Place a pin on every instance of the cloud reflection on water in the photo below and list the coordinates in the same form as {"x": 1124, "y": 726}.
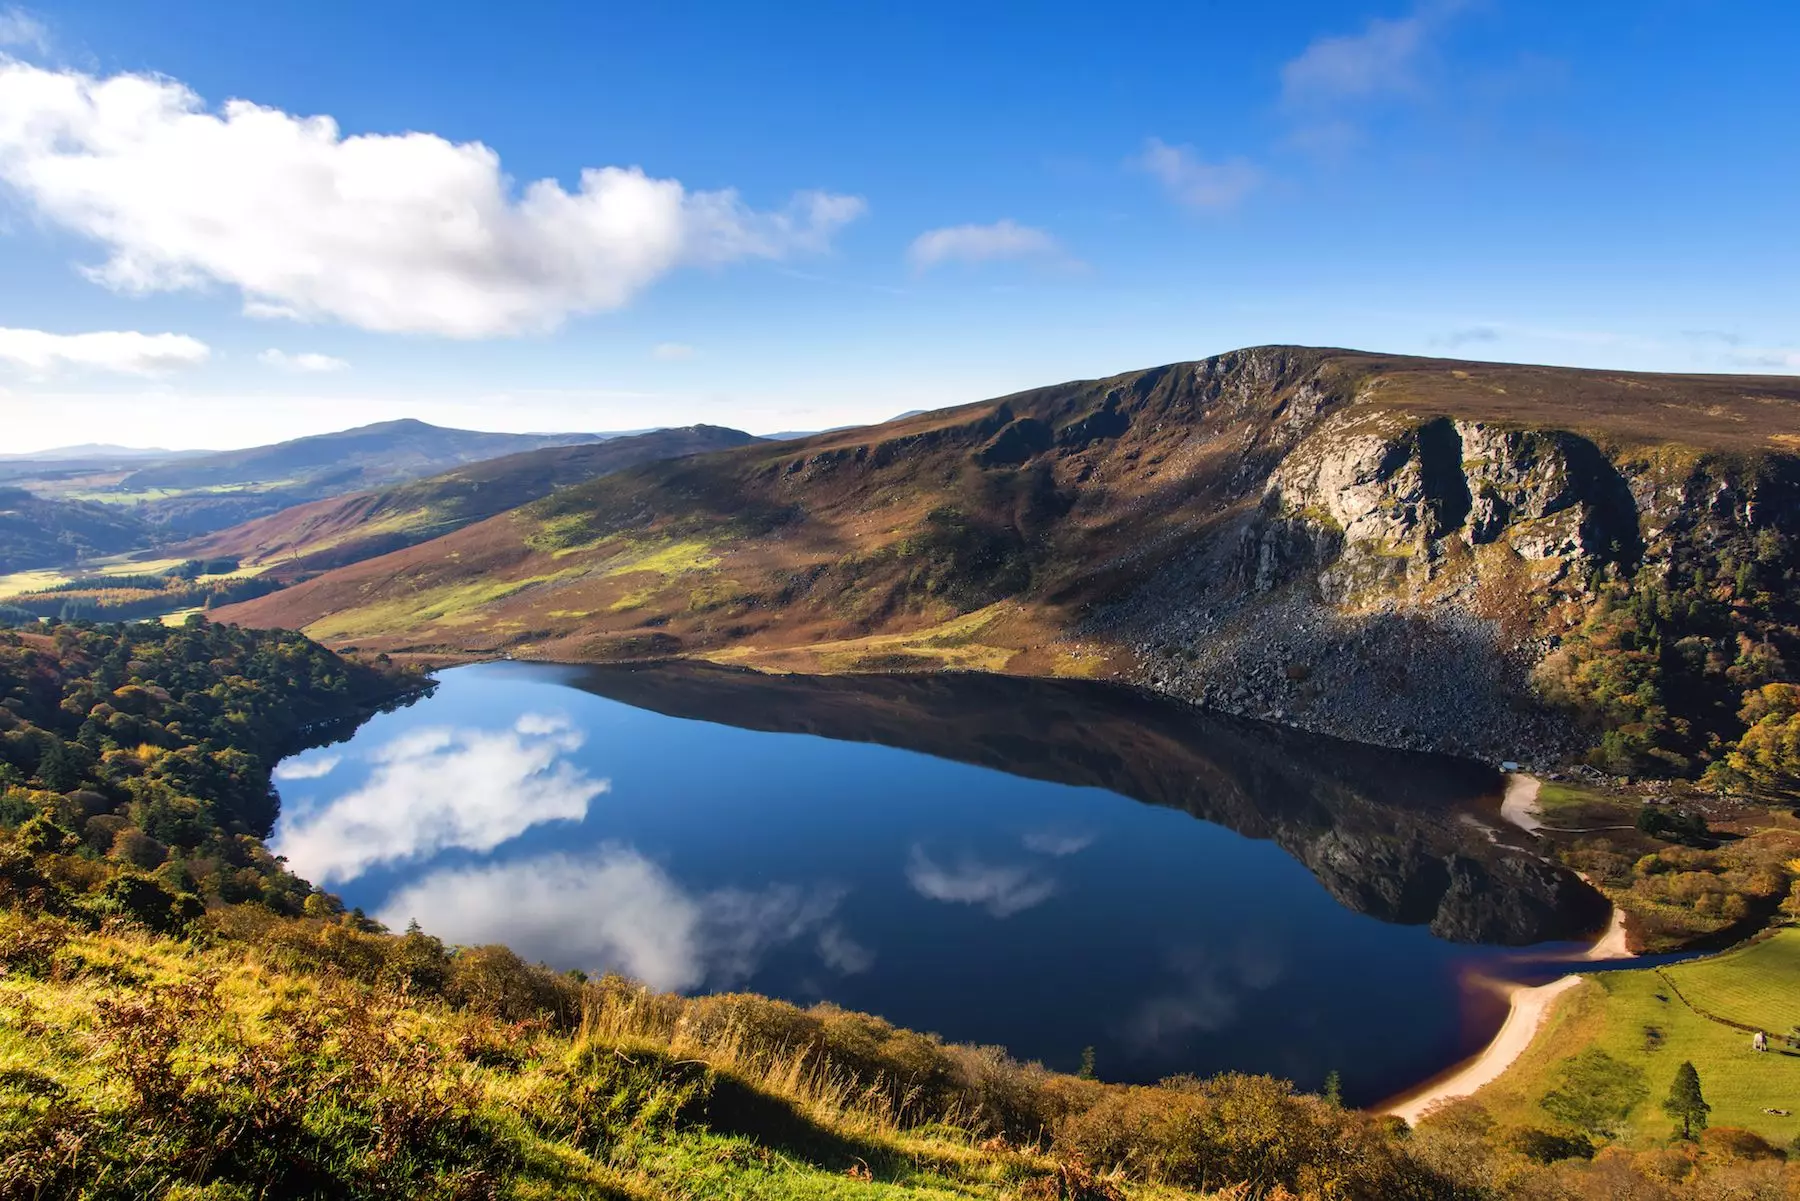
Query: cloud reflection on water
{"x": 1003, "y": 889}
{"x": 307, "y": 769}
{"x": 1213, "y": 989}
{"x": 438, "y": 788}
{"x": 612, "y": 909}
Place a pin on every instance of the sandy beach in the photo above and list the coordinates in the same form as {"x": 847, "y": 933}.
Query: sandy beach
{"x": 1528, "y": 1005}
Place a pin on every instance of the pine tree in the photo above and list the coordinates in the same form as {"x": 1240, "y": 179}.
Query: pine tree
{"x": 1685, "y": 1102}
{"x": 1334, "y": 1088}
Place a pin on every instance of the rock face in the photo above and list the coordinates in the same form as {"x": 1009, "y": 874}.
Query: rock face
{"x": 1398, "y": 574}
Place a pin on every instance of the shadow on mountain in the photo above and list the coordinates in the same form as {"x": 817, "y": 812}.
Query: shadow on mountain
{"x": 1408, "y": 838}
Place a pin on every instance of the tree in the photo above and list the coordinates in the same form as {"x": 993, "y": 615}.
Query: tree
{"x": 1685, "y": 1102}
{"x": 1334, "y": 1089}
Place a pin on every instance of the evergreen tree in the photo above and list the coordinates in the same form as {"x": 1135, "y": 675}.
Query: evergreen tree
{"x": 1685, "y": 1102}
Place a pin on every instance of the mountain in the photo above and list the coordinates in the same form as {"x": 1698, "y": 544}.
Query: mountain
{"x": 1503, "y": 560}
{"x": 211, "y": 491}
{"x": 98, "y": 452}
{"x": 369, "y": 454}
{"x": 331, "y": 533}
{"x": 35, "y": 532}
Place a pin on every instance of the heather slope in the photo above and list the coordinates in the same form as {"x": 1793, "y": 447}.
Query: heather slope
{"x": 1382, "y": 547}
{"x": 340, "y": 530}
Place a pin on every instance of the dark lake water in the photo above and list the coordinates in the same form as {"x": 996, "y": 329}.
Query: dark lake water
{"x": 1044, "y": 865}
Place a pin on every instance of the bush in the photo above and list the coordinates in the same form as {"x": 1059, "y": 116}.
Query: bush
{"x": 495, "y": 981}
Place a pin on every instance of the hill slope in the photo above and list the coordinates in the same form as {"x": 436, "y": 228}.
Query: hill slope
{"x": 345, "y": 529}
{"x": 1417, "y": 552}
{"x": 35, "y": 532}
{"x": 198, "y": 494}
{"x": 373, "y": 454}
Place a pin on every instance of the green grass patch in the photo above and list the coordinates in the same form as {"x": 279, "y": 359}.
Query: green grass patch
{"x": 680, "y": 556}
{"x": 451, "y": 605}
{"x": 1758, "y": 985}
{"x": 1628, "y": 1032}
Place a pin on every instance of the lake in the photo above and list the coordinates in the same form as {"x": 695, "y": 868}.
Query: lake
{"x": 1046, "y": 865}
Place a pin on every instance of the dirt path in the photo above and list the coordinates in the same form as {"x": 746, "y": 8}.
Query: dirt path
{"x": 1519, "y": 806}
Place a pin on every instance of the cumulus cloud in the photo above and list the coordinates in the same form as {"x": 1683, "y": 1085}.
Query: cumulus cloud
{"x": 615, "y": 910}
{"x": 438, "y": 788}
{"x": 304, "y": 363}
{"x": 125, "y": 352}
{"x": 1005, "y": 239}
{"x": 20, "y": 29}
{"x": 405, "y": 232}
{"x": 307, "y": 769}
{"x": 1001, "y": 889}
{"x": 672, "y": 352}
{"x": 1190, "y": 180}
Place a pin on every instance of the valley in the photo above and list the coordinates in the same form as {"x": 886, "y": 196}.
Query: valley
{"x": 1176, "y": 700}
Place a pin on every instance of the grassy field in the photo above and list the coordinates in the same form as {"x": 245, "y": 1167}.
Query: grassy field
{"x": 1641, "y": 1025}
{"x": 1756, "y": 986}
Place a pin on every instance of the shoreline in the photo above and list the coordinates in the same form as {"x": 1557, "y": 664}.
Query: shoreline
{"x": 1527, "y": 1005}
{"x": 1519, "y": 805}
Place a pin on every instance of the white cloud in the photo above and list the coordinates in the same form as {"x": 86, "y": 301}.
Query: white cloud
{"x": 672, "y": 352}
{"x": 1194, "y": 182}
{"x": 125, "y": 352}
{"x": 19, "y": 28}
{"x": 1352, "y": 66}
{"x": 1002, "y": 889}
{"x": 305, "y": 363}
{"x": 307, "y": 769}
{"x": 1005, "y": 239}
{"x": 406, "y": 232}
{"x": 437, "y": 788}
{"x": 615, "y": 910}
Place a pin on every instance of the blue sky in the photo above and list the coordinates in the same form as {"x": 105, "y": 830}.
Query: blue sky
{"x": 844, "y": 211}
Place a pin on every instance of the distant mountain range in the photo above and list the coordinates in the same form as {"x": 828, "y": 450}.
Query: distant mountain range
{"x": 65, "y": 506}
{"x": 345, "y": 529}
{"x": 98, "y": 450}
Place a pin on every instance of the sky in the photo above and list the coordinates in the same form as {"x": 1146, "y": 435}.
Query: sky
{"x": 223, "y": 224}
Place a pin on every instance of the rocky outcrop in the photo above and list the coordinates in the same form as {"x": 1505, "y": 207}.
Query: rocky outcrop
{"x": 1398, "y": 575}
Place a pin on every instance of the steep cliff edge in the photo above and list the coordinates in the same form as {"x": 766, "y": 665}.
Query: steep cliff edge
{"x": 1501, "y": 560}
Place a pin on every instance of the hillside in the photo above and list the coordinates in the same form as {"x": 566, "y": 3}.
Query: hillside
{"x": 1418, "y": 552}
{"x": 373, "y": 454}
{"x": 195, "y": 494}
{"x": 36, "y": 533}
{"x": 345, "y": 529}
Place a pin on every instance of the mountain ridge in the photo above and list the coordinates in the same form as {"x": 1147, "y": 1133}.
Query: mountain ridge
{"x": 1241, "y": 530}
